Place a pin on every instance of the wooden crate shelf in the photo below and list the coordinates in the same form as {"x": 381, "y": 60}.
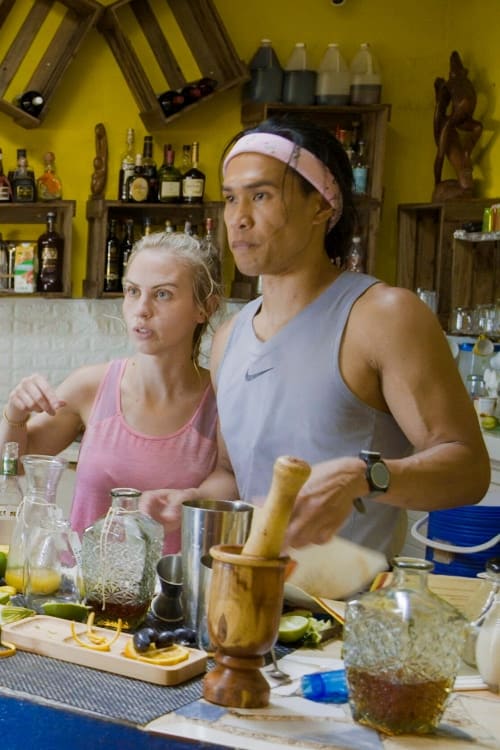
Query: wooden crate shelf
{"x": 202, "y": 30}
{"x": 36, "y": 213}
{"x": 430, "y": 258}
{"x": 78, "y": 19}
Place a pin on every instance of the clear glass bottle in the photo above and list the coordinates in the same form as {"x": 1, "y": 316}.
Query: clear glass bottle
{"x": 49, "y": 185}
{"x": 50, "y": 258}
{"x": 360, "y": 170}
{"x": 52, "y": 567}
{"x": 169, "y": 178}
{"x": 120, "y": 553}
{"x": 112, "y": 264}
{"x": 127, "y": 165}
{"x": 10, "y": 491}
{"x": 42, "y": 475}
{"x": 355, "y": 257}
{"x": 193, "y": 181}
{"x": 402, "y": 648}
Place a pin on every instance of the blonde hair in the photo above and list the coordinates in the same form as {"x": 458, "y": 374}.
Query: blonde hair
{"x": 205, "y": 268}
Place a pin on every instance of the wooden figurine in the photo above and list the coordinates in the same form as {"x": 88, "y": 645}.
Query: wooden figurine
{"x": 100, "y": 173}
{"x": 456, "y": 132}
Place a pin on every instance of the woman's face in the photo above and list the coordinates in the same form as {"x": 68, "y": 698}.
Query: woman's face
{"x": 270, "y": 220}
{"x": 158, "y": 305}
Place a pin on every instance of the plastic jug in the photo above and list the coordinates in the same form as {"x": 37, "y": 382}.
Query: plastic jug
{"x": 299, "y": 83}
{"x": 266, "y": 81}
{"x": 366, "y": 82}
{"x": 334, "y": 78}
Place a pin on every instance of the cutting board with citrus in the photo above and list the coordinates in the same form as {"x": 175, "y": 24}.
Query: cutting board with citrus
{"x": 101, "y": 648}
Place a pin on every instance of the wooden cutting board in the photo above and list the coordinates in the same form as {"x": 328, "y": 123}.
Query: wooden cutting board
{"x": 51, "y": 636}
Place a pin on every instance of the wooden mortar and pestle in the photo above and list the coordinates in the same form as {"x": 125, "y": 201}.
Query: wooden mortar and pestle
{"x": 246, "y": 595}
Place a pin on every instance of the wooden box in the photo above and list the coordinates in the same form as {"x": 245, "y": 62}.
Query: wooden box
{"x": 200, "y": 28}
{"x": 77, "y": 19}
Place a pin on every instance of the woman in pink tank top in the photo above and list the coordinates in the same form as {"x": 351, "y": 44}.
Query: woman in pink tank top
{"x": 149, "y": 421}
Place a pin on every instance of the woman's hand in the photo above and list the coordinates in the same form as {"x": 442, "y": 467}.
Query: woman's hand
{"x": 165, "y": 506}
{"x": 325, "y": 501}
{"x": 32, "y": 394}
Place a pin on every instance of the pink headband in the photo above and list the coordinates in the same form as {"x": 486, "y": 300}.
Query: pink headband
{"x": 300, "y": 159}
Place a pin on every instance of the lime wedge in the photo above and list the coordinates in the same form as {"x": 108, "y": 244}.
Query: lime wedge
{"x": 3, "y": 563}
{"x": 66, "y": 610}
{"x": 292, "y": 628}
{"x": 4, "y": 598}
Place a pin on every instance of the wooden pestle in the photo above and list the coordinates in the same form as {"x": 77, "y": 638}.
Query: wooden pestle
{"x": 268, "y": 528}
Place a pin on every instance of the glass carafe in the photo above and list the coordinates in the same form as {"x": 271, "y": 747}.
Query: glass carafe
{"x": 120, "y": 553}
{"x": 488, "y": 639}
{"x": 42, "y": 478}
{"x": 402, "y": 648}
{"x": 52, "y": 569}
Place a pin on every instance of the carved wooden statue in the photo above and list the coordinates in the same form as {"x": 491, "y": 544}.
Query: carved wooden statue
{"x": 456, "y": 132}
{"x": 100, "y": 173}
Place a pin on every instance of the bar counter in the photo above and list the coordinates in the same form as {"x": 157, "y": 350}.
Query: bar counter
{"x": 54, "y": 705}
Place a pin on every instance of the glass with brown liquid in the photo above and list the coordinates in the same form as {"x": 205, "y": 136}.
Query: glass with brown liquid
{"x": 402, "y": 648}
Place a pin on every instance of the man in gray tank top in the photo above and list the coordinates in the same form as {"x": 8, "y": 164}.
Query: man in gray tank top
{"x": 329, "y": 365}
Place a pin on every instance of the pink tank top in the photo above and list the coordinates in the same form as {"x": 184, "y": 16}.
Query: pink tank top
{"x": 112, "y": 454}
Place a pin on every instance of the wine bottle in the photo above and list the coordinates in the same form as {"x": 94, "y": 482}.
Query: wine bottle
{"x": 112, "y": 275}
{"x": 23, "y": 180}
{"x": 171, "y": 101}
{"x": 31, "y": 102}
{"x": 193, "y": 181}
{"x": 169, "y": 178}
{"x": 5, "y": 188}
{"x": 50, "y": 258}
{"x": 150, "y": 170}
{"x": 127, "y": 244}
{"x": 49, "y": 186}
{"x": 127, "y": 165}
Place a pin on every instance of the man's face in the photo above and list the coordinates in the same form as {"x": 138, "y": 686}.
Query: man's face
{"x": 268, "y": 216}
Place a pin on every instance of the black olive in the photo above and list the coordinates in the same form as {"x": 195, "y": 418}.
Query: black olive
{"x": 164, "y": 639}
{"x": 185, "y": 636}
{"x": 144, "y": 638}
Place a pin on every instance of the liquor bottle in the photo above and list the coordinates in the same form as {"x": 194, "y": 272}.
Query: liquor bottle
{"x": 169, "y": 178}
{"x": 50, "y": 258}
{"x": 5, "y": 188}
{"x": 360, "y": 169}
{"x": 49, "y": 186}
{"x": 146, "y": 226}
{"x": 112, "y": 275}
{"x": 10, "y": 492}
{"x": 186, "y": 158}
{"x": 354, "y": 260}
{"x": 127, "y": 244}
{"x": 23, "y": 180}
{"x": 169, "y": 227}
{"x": 171, "y": 101}
{"x": 150, "y": 170}
{"x": 211, "y": 250}
{"x": 127, "y": 165}
{"x": 193, "y": 181}
{"x": 4, "y": 265}
{"x": 137, "y": 184}
{"x": 31, "y": 102}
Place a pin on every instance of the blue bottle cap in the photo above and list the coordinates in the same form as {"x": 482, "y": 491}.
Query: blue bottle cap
{"x": 325, "y": 687}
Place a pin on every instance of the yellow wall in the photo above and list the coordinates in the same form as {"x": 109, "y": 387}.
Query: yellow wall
{"x": 412, "y": 41}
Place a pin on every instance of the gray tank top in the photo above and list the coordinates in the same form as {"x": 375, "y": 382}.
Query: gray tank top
{"x": 286, "y": 396}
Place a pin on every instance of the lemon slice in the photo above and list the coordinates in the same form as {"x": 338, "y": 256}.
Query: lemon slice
{"x": 292, "y": 627}
{"x": 66, "y": 610}
{"x": 10, "y": 590}
{"x": 164, "y": 657}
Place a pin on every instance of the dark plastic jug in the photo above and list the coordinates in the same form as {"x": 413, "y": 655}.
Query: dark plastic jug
{"x": 266, "y": 82}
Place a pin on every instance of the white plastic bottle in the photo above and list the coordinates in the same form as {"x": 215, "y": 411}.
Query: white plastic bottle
{"x": 366, "y": 82}
{"x": 334, "y": 78}
{"x": 299, "y": 83}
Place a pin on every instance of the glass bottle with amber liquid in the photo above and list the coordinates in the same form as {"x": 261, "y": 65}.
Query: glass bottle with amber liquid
{"x": 137, "y": 184}
{"x": 193, "y": 181}
{"x": 112, "y": 272}
{"x": 49, "y": 185}
{"x": 5, "y": 188}
{"x": 50, "y": 258}
{"x": 169, "y": 178}
{"x": 23, "y": 180}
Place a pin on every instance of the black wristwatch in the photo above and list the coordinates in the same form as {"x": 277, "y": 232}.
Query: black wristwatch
{"x": 377, "y": 474}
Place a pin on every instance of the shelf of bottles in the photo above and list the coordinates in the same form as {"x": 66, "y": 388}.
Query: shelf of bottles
{"x": 32, "y": 217}
{"x": 141, "y": 217}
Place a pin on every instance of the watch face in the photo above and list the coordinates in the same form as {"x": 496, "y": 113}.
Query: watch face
{"x": 380, "y": 475}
